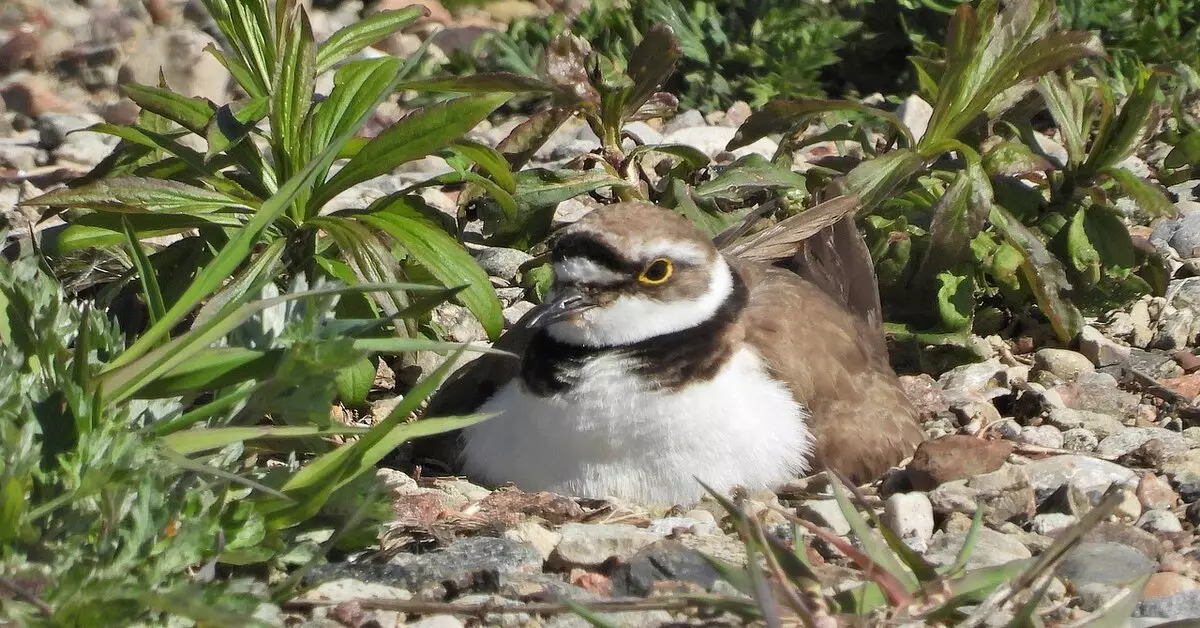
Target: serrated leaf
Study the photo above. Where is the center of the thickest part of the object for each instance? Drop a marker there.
(293, 80)
(781, 116)
(440, 254)
(530, 135)
(416, 135)
(139, 194)
(877, 179)
(489, 159)
(751, 171)
(1122, 136)
(1044, 273)
(348, 40)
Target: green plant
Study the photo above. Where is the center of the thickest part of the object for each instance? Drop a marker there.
(155, 183)
(960, 221)
(750, 51)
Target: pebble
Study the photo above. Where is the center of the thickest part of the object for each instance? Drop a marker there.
(1079, 439)
(1064, 364)
(1091, 474)
(1101, 425)
(1184, 605)
(915, 113)
(1167, 583)
(711, 140)
(436, 621)
(1093, 562)
(62, 134)
(1129, 439)
(1159, 522)
(589, 545)
(909, 515)
(955, 457)
(984, 378)
(662, 561)
(685, 119)
(515, 312)
(670, 525)
(1100, 349)
(1042, 436)
(568, 212)
(1047, 524)
(1004, 495)
(1155, 493)
(536, 536)
(1098, 394)
(991, 548)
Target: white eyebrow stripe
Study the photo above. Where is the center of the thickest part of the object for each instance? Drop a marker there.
(685, 252)
(583, 270)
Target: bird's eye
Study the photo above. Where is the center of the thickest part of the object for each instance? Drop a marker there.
(656, 272)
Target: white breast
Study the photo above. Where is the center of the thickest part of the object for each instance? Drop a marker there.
(612, 436)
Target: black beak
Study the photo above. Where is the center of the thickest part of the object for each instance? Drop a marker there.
(566, 301)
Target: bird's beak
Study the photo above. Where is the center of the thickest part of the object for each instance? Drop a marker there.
(559, 305)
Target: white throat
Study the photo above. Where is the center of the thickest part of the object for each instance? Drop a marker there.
(630, 318)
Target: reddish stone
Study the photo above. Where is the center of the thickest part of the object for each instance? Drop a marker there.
(1187, 386)
(1155, 493)
(509, 506)
(591, 582)
(955, 457)
(1166, 584)
(417, 509)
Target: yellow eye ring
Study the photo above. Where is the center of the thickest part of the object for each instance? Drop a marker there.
(656, 272)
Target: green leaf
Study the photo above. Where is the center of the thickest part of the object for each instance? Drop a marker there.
(354, 382)
(1185, 153)
(1044, 273)
(416, 135)
(877, 179)
(100, 230)
(292, 90)
(751, 171)
(146, 274)
(710, 222)
(525, 140)
(213, 369)
(240, 244)
(651, 63)
(957, 218)
(872, 545)
(191, 113)
(1010, 159)
(356, 87)
(441, 254)
(348, 40)
(955, 300)
(1066, 102)
(230, 125)
(312, 485)
(539, 191)
(1136, 122)
(1145, 194)
(139, 194)
(781, 116)
(206, 439)
(689, 155)
(489, 159)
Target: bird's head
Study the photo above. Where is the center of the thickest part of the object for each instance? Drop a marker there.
(629, 272)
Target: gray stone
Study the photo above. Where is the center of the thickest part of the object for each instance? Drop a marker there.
(1186, 237)
(1131, 438)
(1159, 522)
(1183, 605)
(501, 262)
(1102, 562)
(1042, 436)
(436, 621)
(1100, 349)
(574, 148)
(1091, 474)
(909, 515)
(644, 132)
(915, 113)
(569, 211)
(992, 548)
(662, 561)
(1004, 495)
(589, 545)
(516, 311)
(825, 513)
(987, 378)
(1047, 524)
(1051, 149)
(1102, 425)
(630, 619)
(1098, 393)
(685, 119)
(1186, 191)
(669, 525)
(21, 156)
(1066, 365)
(62, 134)
(1079, 439)
(179, 54)
(460, 324)
(1174, 330)
(711, 140)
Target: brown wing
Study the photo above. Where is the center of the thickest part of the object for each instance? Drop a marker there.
(837, 365)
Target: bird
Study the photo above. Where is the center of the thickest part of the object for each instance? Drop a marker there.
(659, 364)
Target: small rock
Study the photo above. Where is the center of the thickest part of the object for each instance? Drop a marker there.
(1047, 524)
(1131, 438)
(1042, 436)
(1129, 509)
(1167, 583)
(1100, 349)
(711, 140)
(985, 378)
(991, 548)
(737, 113)
(1159, 522)
(825, 513)
(644, 132)
(568, 212)
(589, 545)
(516, 312)
(909, 515)
(955, 457)
(179, 54)
(662, 561)
(436, 621)
(1155, 493)
(1102, 425)
(1080, 439)
(1051, 149)
(1174, 330)
(1004, 494)
(1098, 396)
(1066, 365)
(915, 113)
(1093, 562)
(62, 134)
(1185, 605)
(1091, 474)
(461, 564)
(671, 525)
(535, 535)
